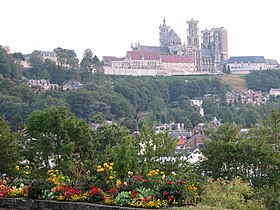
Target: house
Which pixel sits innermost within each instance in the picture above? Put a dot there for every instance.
(196, 102)
(49, 55)
(180, 146)
(196, 141)
(177, 130)
(245, 96)
(198, 128)
(72, 85)
(45, 84)
(187, 146)
(195, 156)
(274, 92)
(247, 63)
(271, 63)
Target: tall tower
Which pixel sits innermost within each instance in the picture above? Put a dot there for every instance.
(163, 33)
(220, 45)
(206, 41)
(224, 44)
(193, 34)
(193, 42)
(206, 51)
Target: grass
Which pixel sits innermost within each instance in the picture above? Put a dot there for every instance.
(235, 81)
(198, 207)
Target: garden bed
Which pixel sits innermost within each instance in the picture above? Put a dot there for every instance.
(30, 204)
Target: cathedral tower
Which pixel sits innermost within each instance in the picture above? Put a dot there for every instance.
(193, 34)
(163, 33)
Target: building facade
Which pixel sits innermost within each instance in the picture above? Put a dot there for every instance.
(174, 57)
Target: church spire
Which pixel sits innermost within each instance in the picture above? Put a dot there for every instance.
(164, 21)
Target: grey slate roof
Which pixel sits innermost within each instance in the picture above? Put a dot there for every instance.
(48, 53)
(246, 59)
(271, 62)
(160, 50)
(172, 36)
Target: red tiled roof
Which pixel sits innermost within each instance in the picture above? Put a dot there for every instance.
(137, 55)
(176, 59)
(182, 141)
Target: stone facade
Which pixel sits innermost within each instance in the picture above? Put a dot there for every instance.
(205, 58)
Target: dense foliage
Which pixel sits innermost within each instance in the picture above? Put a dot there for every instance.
(263, 80)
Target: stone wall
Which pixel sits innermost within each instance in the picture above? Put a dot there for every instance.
(29, 204)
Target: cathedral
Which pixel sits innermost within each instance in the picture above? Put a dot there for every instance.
(207, 56)
(172, 56)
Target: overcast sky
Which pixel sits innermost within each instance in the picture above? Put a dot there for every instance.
(109, 26)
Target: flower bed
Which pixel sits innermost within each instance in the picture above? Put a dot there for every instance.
(155, 189)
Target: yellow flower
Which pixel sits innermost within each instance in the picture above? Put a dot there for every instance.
(150, 174)
(111, 177)
(111, 164)
(17, 168)
(161, 172)
(26, 167)
(105, 165)
(26, 172)
(157, 170)
(49, 171)
(110, 168)
(56, 171)
(99, 166)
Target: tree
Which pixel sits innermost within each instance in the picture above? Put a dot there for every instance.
(228, 70)
(224, 68)
(58, 138)
(9, 156)
(18, 56)
(154, 148)
(125, 156)
(251, 157)
(107, 136)
(8, 67)
(37, 70)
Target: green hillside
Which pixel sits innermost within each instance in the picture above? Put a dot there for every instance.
(235, 81)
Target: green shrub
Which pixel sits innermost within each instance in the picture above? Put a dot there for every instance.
(231, 194)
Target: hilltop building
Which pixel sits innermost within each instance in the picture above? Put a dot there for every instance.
(172, 56)
(245, 64)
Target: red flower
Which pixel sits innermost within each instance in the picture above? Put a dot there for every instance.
(113, 191)
(169, 183)
(106, 197)
(134, 193)
(146, 180)
(165, 193)
(181, 181)
(169, 197)
(25, 190)
(139, 177)
(147, 199)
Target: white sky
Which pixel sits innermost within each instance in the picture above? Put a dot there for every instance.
(108, 26)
